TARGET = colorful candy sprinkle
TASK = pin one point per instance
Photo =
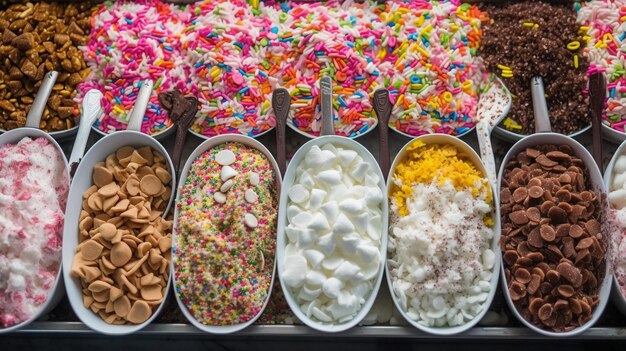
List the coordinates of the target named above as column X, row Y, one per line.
column 222, row 264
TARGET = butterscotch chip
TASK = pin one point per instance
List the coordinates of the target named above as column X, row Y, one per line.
column 517, row 291
column 102, row 176
column 108, row 231
column 122, row 306
column 151, row 292
column 165, row 244
column 130, row 213
column 137, row 158
column 99, row 286
column 139, row 313
column 163, row 175
column 144, row 171
column 124, row 152
column 533, row 284
column 91, row 250
column 120, row 254
column 557, row 215
column 593, row 227
column 95, row 202
column 109, row 190
column 150, row 185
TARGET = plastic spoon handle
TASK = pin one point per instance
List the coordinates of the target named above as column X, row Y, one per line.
column 383, row 108
column 36, row 110
column 597, row 92
column 486, row 151
column 328, row 127
column 281, row 103
column 540, row 107
column 91, row 111
column 141, row 104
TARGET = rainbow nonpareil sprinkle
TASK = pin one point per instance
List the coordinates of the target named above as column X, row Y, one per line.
column 222, row 266
column 604, row 33
column 131, row 42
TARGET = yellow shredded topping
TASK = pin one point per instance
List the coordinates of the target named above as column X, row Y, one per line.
column 438, row 163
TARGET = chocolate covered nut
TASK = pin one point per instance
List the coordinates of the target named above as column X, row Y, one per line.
column 28, row 53
column 125, row 251
column 552, row 242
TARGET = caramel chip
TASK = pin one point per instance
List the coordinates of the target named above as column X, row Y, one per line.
column 150, row 185
column 102, row 176
column 535, row 192
column 139, row 313
column 91, row 250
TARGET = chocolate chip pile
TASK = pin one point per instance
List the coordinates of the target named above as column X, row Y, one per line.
column 38, row 38
column 552, row 245
column 123, row 260
column 531, row 39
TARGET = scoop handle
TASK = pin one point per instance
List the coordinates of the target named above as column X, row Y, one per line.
column 91, row 111
column 540, row 107
column 326, row 85
column 281, row 103
column 383, row 107
column 141, row 104
column 486, row 151
column 36, row 110
column 597, row 94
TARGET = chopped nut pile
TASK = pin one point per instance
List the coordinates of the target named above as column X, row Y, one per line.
column 552, row 245
column 36, row 39
column 123, row 259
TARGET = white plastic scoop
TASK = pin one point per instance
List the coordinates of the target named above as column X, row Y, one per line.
column 91, row 111
column 493, row 106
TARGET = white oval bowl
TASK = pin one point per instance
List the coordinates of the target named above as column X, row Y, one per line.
column 207, row 145
column 82, row 181
column 158, row 136
column 598, row 184
column 619, row 300
column 199, row 135
column 511, row 137
column 612, row 135
column 282, row 237
column 311, row 136
column 56, row 292
column 442, row 139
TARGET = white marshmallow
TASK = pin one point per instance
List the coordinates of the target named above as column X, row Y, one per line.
column 302, row 219
column 295, row 271
column 227, row 173
column 358, row 172
column 292, row 250
column 346, row 157
column 315, row 279
column 314, row 257
column 292, row 211
column 250, row 196
column 314, row 157
column 366, row 252
column 371, row 180
column 307, row 294
column 332, row 263
column 306, row 238
column 254, row 178
column 617, row 198
column 346, row 271
column 298, row 194
column 225, row 157
column 489, row 258
column 219, row 197
column 343, row 225
column 332, row 287
column 348, row 244
column 371, row 270
column 351, row 206
column 306, row 180
column 373, row 196
column 227, row 185
column 327, row 244
column 330, row 211
column 250, row 220
column 338, row 193
column 619, row 179
column 319, row 223
column 317, row 198
column 329, row 177
column 374, row 228
column 620, row 164
column 317, row 313
column 361, row 222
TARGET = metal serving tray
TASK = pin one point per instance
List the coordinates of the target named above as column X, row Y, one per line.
column 171, row 323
